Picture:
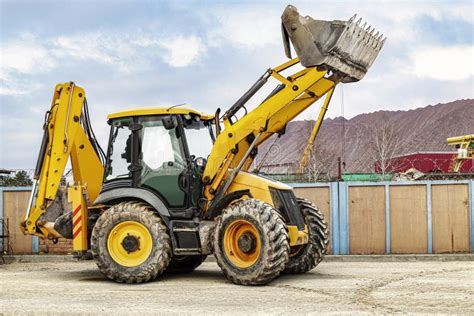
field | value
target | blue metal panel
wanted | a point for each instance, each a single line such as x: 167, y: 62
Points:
x: 471, y: 215
x: 387, y: 219
x: 428, y: 218
x: 343, y: 218
x: 334, y: 209
x: 1, y: 217
x: 1, y: 203
x: 35, y: 244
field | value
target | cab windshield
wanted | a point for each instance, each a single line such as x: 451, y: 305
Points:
x: 199, y: 136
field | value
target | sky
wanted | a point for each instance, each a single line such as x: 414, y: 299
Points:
x: 129, y: 54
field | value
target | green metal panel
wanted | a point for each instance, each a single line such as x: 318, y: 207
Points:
x: 367, y: 177
x: 348, y: 177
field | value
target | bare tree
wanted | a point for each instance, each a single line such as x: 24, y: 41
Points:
x: 385, y: 144
x: 320, y: 164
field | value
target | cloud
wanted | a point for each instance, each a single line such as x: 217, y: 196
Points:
x: 182, y: 51
x: 255, y: 26
x: 122, y: 52
x: 98, y: 47
x: 443, y: 63
x: 125, y: 51
x: 19, y: 59
x: 24, y: 56
x: 18, y: 87
x: 130, y: 60
x: 247, y: 29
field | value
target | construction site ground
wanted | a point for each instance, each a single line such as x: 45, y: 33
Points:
x: 333, y: 287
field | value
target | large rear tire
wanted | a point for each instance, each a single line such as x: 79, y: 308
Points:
x: 306, y: 257
x: 130, y: 244
x: 251, y: 243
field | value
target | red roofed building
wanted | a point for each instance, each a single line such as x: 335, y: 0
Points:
x: 426, y: 162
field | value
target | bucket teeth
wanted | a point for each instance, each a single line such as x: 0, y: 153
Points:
x: 348, y: 48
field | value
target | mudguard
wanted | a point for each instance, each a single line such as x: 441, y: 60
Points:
x: 122, y: 194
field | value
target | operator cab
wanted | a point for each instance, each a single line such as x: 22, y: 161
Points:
x: 161, y: 150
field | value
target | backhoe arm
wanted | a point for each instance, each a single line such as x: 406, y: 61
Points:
x: 331, y: 52
x: 236, y: 146
x: 67, y: 134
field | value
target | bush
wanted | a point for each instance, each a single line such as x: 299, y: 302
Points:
x: 20, y: 179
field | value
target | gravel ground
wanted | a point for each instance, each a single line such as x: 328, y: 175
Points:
x: 333, y: 287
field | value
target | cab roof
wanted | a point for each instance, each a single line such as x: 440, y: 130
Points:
x: 154, y: 110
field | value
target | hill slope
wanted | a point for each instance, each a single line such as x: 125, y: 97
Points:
x: 421, y: 129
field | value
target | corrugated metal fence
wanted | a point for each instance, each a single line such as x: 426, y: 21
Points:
x: 364, y: 217
x: 396, y: 217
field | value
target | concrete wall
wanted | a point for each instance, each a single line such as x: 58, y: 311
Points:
x: 396, y: 217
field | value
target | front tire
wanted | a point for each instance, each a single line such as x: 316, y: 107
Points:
x: 251, y: 243
x: 130, y: 244
x: 306, y: 257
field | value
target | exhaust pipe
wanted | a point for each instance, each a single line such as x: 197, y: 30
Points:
x: 345, y: 47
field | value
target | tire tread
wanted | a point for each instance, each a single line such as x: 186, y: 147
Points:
x: 317, y: 246
x: 144, y: 214
x: 275, y: 244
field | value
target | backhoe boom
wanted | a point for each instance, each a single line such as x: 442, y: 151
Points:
x: 67, y: 134
x: 236, y: 146
x: 331, y: 52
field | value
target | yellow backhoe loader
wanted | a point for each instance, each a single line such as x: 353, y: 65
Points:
x: 174, y: 185
x: 465, y: 146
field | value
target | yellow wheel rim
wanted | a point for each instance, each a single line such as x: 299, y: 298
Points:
x: 129, y: 243
x: 242, y: 243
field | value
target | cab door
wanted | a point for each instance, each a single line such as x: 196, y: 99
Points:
x: 163, y: 159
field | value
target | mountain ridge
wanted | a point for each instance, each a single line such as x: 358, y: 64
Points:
x: 417, y: 130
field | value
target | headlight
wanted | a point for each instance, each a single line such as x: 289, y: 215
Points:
x: 200, y: 162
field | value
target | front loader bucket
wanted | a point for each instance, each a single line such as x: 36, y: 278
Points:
x: 347, y: 48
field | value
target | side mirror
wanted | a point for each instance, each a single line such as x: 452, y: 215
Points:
x: 168, y: 122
